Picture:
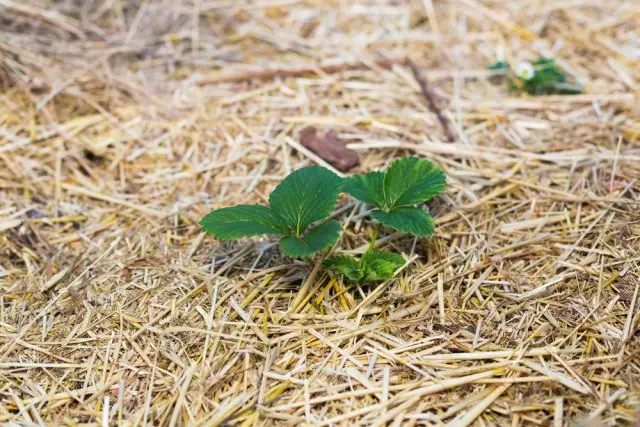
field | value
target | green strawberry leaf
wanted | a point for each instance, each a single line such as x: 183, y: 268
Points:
x: 317, y: 239
x: 368, y: 188
x: 242, y: 221
x: 293, y: 247
x: 346, y: 265
x: 379, y: 265
x: 407, y: 182
x: 306, y: 195
x: 323, y: 236
x: 410, y: 220
x: 410, y: 181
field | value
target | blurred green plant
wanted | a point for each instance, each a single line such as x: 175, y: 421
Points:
x: 540, y: 77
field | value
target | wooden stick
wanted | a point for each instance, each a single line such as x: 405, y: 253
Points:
x: 299, y: 71
x: 431, y: 100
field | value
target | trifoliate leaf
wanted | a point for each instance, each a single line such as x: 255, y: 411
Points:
x: 408, y: 181
x: 242, y: 221
x: 368, y: 188
x: 345, y: 265
x: 378, y: 265
x: 317, y: 239
x: 410, y: 220
x: 411, y: 180
x: 306, y: 195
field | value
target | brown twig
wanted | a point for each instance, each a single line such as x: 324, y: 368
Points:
x: 430, y: 97
x: 299, y: 71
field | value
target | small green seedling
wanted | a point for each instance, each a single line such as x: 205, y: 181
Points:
x: 302, y: 202
x: 540, y: 77
x: 373, y: 265
x: 408, y: 182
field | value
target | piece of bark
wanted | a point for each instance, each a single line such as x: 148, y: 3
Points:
x: 329, y: 148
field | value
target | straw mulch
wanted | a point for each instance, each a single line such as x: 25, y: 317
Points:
x: 122, y: 123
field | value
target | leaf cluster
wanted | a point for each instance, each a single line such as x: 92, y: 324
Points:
x: 373, y: 265
x: 300, y: 205
x: 546, y: 80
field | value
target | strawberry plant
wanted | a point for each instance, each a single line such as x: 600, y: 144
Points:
x: 373, y: 265
x: 540, y: 77
x: 394, y: 193
x: 300, y: 205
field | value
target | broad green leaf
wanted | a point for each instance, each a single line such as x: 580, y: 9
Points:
x: 293, y: 247
x: 323, y: 236
x: 242, y: 221
x: 380, y: 265
x: 317, y: 239
x: 368, y: 188
x: 410, y: 220
x: 306, y: 195
x: 345, y: 265
x: 411, y: 180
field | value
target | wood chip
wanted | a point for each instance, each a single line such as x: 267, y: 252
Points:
x: 329, y: 148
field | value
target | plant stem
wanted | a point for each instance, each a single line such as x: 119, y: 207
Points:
x: 376, y: 233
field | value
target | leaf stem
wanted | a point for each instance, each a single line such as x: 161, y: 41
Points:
x: 375, y: 235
